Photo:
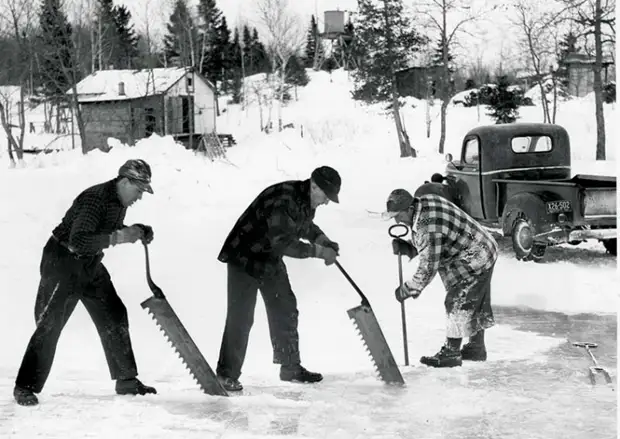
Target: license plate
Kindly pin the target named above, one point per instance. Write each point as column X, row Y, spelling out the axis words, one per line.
column 558, row 206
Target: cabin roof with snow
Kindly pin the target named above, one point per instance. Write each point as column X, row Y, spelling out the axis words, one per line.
column 104, row 85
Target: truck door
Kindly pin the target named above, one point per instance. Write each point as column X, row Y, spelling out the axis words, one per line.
column 469, row 176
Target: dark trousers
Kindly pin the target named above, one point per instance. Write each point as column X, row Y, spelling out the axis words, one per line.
column 65, row 280
column 282, row 316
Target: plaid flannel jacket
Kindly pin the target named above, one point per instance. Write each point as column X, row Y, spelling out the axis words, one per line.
column 449, row 242
column 93, row 216
column 271, row 227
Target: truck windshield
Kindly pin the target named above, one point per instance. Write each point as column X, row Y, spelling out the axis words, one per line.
column 526, row 144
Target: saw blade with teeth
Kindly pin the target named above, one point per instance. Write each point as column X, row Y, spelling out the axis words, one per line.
column 375, row 344
column 175, row 333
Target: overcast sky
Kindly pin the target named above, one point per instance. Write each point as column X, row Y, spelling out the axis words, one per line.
column 488, row 38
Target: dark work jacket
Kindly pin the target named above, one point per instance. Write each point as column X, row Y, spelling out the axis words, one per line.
column 271, row 227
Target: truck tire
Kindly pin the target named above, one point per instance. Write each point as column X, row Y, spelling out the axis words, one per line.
column 523, row 244
column 611, row 246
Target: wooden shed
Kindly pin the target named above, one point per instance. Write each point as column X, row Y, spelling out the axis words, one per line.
column 133, row 104
column 581, row 73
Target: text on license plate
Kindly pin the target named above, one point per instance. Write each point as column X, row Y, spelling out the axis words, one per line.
column 558, row 206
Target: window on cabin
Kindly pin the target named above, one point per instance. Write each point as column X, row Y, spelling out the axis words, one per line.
column 471, row 156
column 150, row 121
column 190, row 83
column 531, row 144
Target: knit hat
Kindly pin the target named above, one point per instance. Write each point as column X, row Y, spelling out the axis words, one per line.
column 138, row 172
column 398, row 201
column 328, row 180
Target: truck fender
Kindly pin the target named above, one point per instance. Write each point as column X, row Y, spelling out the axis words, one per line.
column 524, row 205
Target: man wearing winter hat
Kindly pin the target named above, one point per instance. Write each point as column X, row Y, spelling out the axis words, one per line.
column 450, row 242
column 270, row 228
column 72, row 271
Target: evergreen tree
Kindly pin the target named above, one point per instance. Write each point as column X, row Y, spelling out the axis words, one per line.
column 567, row 45
column 106, row 35
column 235, row 68
column 260, row 54
column 211, row 18
column 181, row 37
column 311, row 43
column 437, row 58
column 127, row 39
column 56, row 56
column 296, row 72
column 504, row 104
column 384, row 56
column 386, row 40
column 248, row 60
column 221, row 58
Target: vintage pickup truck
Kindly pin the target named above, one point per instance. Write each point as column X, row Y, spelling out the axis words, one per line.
column 517, row 178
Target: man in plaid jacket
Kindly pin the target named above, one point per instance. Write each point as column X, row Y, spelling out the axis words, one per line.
column 449, row 242
column 270, row 228
column 72, row 271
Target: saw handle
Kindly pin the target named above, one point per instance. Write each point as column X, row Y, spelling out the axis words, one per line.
column 364, row 299
column 157, row 292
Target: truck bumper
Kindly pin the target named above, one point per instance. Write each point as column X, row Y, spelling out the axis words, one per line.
column 558, row 236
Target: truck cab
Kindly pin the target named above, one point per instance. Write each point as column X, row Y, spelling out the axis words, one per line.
column 517, row 177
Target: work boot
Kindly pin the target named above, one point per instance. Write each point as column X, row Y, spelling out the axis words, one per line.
column 446, row 357
column 299, row 373
column 474, row 352
column 133, row 386
column 25, row 396
column 230, row 384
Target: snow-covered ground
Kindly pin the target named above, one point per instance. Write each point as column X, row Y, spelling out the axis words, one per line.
column 533, row 386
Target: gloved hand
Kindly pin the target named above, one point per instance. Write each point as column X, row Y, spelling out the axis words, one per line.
column 402, row 247
column 328, row 254
column 147, row 232
column 326, row 242
column 126, row 234
column 405, row 292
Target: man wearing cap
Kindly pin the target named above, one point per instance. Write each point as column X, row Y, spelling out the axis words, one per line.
column 270, row 228
column 72, row 271
column 450, row 242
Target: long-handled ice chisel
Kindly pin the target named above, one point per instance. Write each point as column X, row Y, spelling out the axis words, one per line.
column 596, row 368
column 403, row 317
column 374, row 341
column 179, row 338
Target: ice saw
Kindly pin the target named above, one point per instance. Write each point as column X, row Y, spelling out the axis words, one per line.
column 177, row 335
column 372, row 336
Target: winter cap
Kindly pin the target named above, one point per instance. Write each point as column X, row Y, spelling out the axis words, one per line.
column 398, row 201
column 328, row 180
column 138, row 172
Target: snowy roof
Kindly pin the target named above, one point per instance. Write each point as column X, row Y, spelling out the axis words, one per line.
column 104, row 85
column 10, row 93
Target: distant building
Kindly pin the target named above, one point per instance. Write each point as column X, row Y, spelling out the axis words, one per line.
column 422, row 82
column 581, row 73
column 133, row 104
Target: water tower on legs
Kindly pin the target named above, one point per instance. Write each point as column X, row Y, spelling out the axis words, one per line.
column 334, row 36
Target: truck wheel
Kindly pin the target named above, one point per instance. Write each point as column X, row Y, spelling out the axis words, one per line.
column 611, row 246
column 523, row 241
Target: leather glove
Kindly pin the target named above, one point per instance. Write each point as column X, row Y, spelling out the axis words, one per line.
column 328, row 254
column 326, row 242
column 405, row 292
column 402, row 247
column 126, row 234
column 147, row 232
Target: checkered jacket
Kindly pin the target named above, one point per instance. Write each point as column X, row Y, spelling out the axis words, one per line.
column 449, row 242
column 271, row 227
column 93, row 216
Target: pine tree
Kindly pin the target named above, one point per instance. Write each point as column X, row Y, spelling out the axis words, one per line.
column 127, row 38
column 387, row 39
column 221, row 61
column 211, row 19
column 311, row 43
column 56, row 50
column 296, row 72
column 107, row 35
column 235, row 68
column 437, row 58
column 259, row 54
column 181, row 37
column 567, row 45
column 503, row 103
column 248, row 59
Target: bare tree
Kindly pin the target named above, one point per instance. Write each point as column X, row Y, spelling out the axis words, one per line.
column 597, row 19
column 538, row 24
column 439, row 13
column 17, row 19
column 285, row 38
